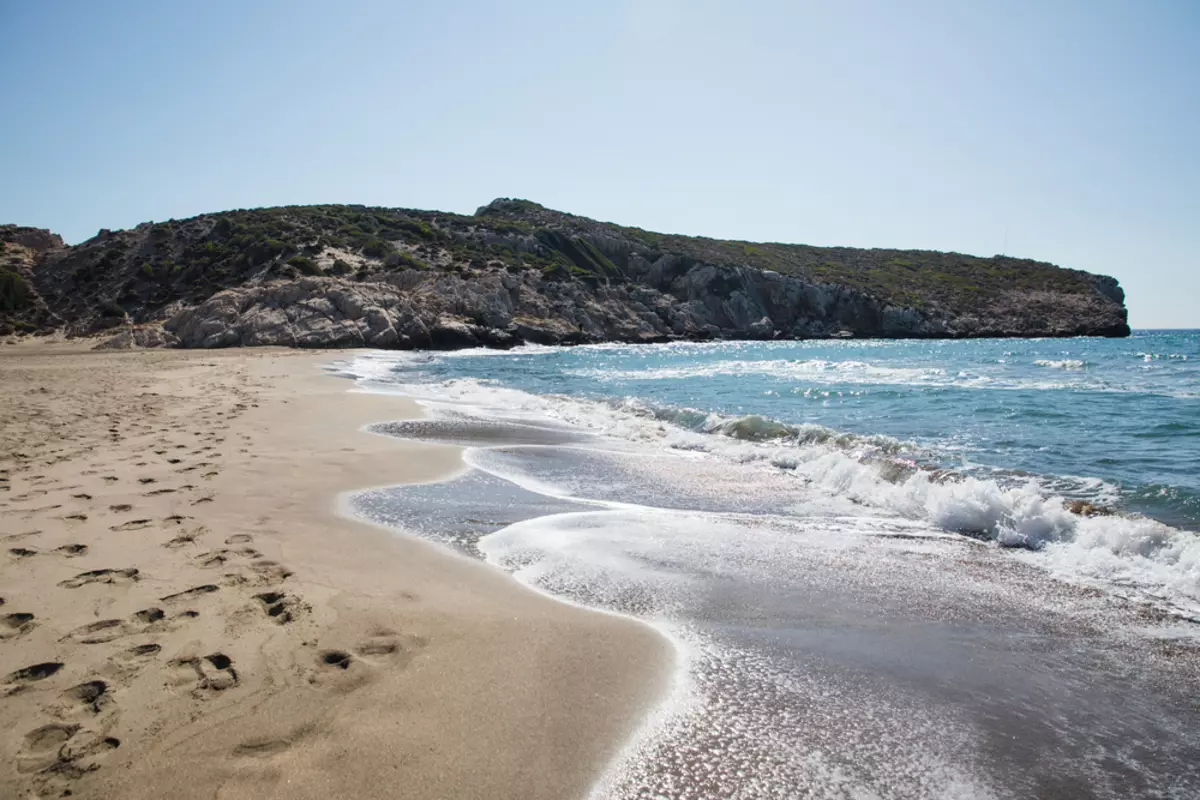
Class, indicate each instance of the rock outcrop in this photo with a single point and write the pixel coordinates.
(340, 276)
(22, 309)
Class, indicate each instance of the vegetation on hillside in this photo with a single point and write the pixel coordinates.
(14, 292)
(909, 278)
(140, 272)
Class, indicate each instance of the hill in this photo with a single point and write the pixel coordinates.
(514, 271)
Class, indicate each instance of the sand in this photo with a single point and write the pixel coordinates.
(185, 614)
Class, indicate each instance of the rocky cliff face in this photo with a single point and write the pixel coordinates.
(515, 272)
(22, 309)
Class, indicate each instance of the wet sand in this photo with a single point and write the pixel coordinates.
(829, 656)
(186, 615)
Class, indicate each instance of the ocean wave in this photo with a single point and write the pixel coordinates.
(1137, 556)
(859, 472)
(850, 371)
(1069, 374)
(757, 429)
(1066, 363)
(869, 470)
(1163, 356)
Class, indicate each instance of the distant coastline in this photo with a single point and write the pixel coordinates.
(514, 272)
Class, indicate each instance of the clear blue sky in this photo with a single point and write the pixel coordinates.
(1064, 131)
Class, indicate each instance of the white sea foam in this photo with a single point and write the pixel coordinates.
(1141, 557)
(854, 521)
(804, 374)
(870, 472)
(744, 723)
(849, 371)
(1166, 356)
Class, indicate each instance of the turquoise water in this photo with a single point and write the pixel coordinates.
(862, 551)
(1111, 420)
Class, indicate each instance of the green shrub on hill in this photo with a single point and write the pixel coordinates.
(14, 292)
(402, 259)
(378, 248)
(305, 265)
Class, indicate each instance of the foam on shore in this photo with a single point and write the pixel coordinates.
(822, 591)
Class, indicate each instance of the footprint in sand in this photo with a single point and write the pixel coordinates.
(270, 571)
(72, 550)
(41, 745)
(133, 525)
(117, 576)
(15, 625)
(98, 632)
(260, 572)
(239, 538)
(183, 539)
(140, 652)
(148, 616)
(62, 753)
(41, 510)
(263, 748)
(218, 558)
(378, 646)
(26, 676)
(21, 552)
(335, 659)
(211, 560)
(383, 642)
(106, 630)
(120, 508)
(191, 594)
(89, 696)
(281, 607)
(86, 745)
(214, 673)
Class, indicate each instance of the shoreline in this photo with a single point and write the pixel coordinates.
(671, 687)
(458, 680)
(814, 643)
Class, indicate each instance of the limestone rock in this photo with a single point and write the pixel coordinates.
(353, 276)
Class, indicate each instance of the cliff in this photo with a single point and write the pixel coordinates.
(513, 272)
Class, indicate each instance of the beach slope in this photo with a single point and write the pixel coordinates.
(185, 614)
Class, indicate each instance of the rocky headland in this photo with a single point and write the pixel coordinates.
(514, 272)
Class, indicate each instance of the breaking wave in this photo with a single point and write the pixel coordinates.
(1066, 363)
(855, 473)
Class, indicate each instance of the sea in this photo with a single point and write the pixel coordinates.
(889, 569)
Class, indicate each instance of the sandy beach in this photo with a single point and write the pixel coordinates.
(186, 615)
